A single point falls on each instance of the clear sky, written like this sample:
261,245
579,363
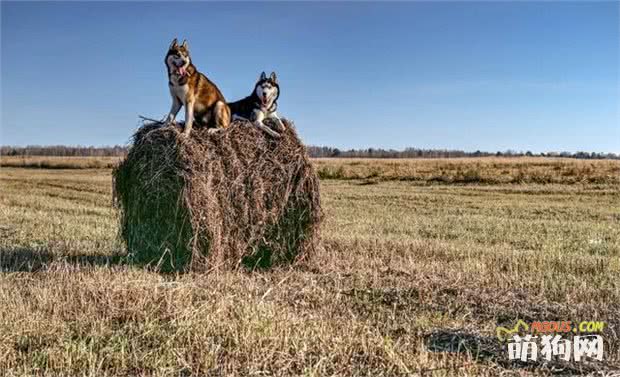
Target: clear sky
540,76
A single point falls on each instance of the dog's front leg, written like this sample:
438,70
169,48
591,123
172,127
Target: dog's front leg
239,117
278,121
174,110
189,118
259,116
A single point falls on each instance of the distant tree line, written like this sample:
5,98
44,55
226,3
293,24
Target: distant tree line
446,153
62,150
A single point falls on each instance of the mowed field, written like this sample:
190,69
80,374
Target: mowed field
421,261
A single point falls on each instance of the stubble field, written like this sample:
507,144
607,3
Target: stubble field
421,260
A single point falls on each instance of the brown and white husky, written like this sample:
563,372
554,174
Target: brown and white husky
204,103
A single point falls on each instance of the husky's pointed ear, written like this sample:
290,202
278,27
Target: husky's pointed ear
185,45
173,44
263,76
273,77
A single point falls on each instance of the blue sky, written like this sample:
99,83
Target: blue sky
537,76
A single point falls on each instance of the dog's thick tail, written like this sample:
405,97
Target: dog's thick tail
222,114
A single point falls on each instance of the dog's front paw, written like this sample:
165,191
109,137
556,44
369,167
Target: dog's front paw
274,134
280,125
168,121
267,130
212,131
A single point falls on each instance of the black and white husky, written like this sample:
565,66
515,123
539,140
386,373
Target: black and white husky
260,105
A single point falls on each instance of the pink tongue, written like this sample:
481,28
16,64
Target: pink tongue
182,71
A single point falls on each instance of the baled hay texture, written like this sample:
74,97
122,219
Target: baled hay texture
217,200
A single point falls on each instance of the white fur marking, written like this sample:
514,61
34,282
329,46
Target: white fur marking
259,116
267,93
174,63
279,123
180,91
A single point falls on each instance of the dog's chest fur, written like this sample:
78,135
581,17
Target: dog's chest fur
181,92
247,107
179,87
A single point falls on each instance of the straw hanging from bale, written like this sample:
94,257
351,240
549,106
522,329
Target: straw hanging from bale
217,200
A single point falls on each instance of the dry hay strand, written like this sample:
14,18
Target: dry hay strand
217,200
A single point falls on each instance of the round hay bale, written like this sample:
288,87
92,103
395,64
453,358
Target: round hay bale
232,198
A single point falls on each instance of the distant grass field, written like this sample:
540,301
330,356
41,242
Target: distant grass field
415,274
486,170
489,170
57,162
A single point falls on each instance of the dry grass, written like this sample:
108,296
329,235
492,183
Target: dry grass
54,162
486,170
406,269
